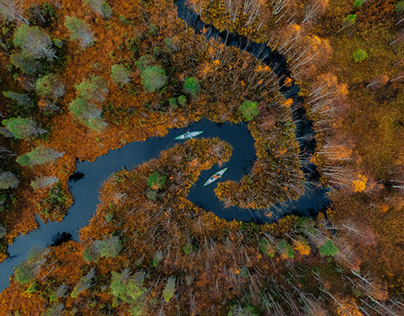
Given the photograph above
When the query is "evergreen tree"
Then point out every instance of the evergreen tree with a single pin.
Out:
(8, 180)
(88, 114)
(27, 64)
(84, 283)
(22, 100)
(39, 155)
(80, 31)
(153, 78)
(127, 288)
(34, 42)
(192, 86)
(94, 89)
(50, 87)
(100, 7)
(109, 247)
(22, 128)
(169, 289)
(120, 75)
(248, 110)
(11, 10)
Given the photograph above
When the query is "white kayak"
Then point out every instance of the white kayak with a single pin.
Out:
(188, 135)
(215, 177)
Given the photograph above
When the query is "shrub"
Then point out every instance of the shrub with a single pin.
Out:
(187, 248)
(79, 30)
(8, 180)
(153, 78)
(22, 128)
(39, 155)
(248, 110)
(359, 55)
(192, 86)
(358, 3)
(34, 42)
(120, 74)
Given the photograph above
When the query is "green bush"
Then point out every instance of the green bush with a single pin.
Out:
(359, 55)
(285, 249)
(153, 78)
(173, 103)
(358, 3)
(248, 110)
(192, 86)
(80, 31)
(188, 248)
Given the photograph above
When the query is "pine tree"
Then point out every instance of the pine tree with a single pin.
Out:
(8, 180)
(11, 10)
(22, 99)
(153, 78)
(80, 31)
(120, 75)
(94, 89)
(109, 247)
(22, 128)
(87, 113)
(192, 86)
(100, 7)
(50, 87)
(34, 42)
(39, 155)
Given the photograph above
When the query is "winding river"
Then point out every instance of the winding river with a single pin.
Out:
(85, 189)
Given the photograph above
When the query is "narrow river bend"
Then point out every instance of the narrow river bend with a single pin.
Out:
(86, 190)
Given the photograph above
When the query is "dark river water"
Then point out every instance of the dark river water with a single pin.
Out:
(86, 189)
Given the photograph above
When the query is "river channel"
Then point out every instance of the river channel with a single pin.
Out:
(86, 189)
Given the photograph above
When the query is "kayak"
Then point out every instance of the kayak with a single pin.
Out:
(215, 177)
(188, 135)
